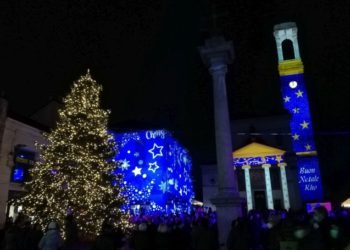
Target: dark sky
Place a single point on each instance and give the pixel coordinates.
(145, 55)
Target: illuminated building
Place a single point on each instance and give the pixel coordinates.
(156, 170)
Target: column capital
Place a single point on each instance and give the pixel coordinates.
(246, 167)
(282, 164)
(218, 69)
(217, 51)
(265, 165)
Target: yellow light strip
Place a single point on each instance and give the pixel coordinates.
(290, 67)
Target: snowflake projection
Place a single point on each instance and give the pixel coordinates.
(125, 164)
(160, 176)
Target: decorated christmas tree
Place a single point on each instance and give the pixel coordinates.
(73, 176)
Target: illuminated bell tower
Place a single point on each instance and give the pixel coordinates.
(291, 71)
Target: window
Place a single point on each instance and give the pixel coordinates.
(23, 160)
(288, 50)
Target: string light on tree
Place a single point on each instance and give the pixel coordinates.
(73, 175)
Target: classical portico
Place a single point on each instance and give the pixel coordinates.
(258, 156)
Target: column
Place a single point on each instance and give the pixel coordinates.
(248, 187)
(284, 185)
(216, 54)
(269, 197)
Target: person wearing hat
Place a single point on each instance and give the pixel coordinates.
(52, 239)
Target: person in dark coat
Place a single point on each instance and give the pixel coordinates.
(71, 231)
(35, 234)
(181, 237)
(204, 238)
(255, 229)
(142, 238)
(317, 234)
(105, 240)
(238, 236)
(52, 239)
(163, 238)
(14, 236)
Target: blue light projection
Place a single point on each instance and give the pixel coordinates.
(309, 178)
(18, 174)
(156, 170)
(257, 161)
(296, 102)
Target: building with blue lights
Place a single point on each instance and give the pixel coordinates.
(156, 170)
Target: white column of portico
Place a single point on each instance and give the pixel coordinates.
(269, 197)
(284, 185)
(248, 187)
(216, 54)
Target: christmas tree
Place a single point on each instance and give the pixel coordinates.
(73, 175)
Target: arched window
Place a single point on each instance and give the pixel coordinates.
(288, 50)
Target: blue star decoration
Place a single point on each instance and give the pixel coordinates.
(137, 171)
(304, 125)
(156, 151)
(153, 167)
(286, 99)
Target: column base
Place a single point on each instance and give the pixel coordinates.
(228, 207)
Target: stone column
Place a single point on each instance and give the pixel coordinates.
(248, 187)
(216, 54)
(269, 197)
(284, 185)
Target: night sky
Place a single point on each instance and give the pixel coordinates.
(145, 55)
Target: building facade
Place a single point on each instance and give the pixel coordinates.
(17, 154)
(264, 163)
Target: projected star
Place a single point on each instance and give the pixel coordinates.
(153, 167)
(163, 186)
(156, 151)
(296, 110)
(299, 93)
(137, 171)
(286, 99)
(304, 125)
(125, 164)
(295, 137)
(308, 147)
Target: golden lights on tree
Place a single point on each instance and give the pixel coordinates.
(73, 173)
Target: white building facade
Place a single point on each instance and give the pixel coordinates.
(17, 153)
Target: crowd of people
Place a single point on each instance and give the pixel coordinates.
(268, 230)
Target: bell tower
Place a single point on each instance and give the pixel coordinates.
(295, 100)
